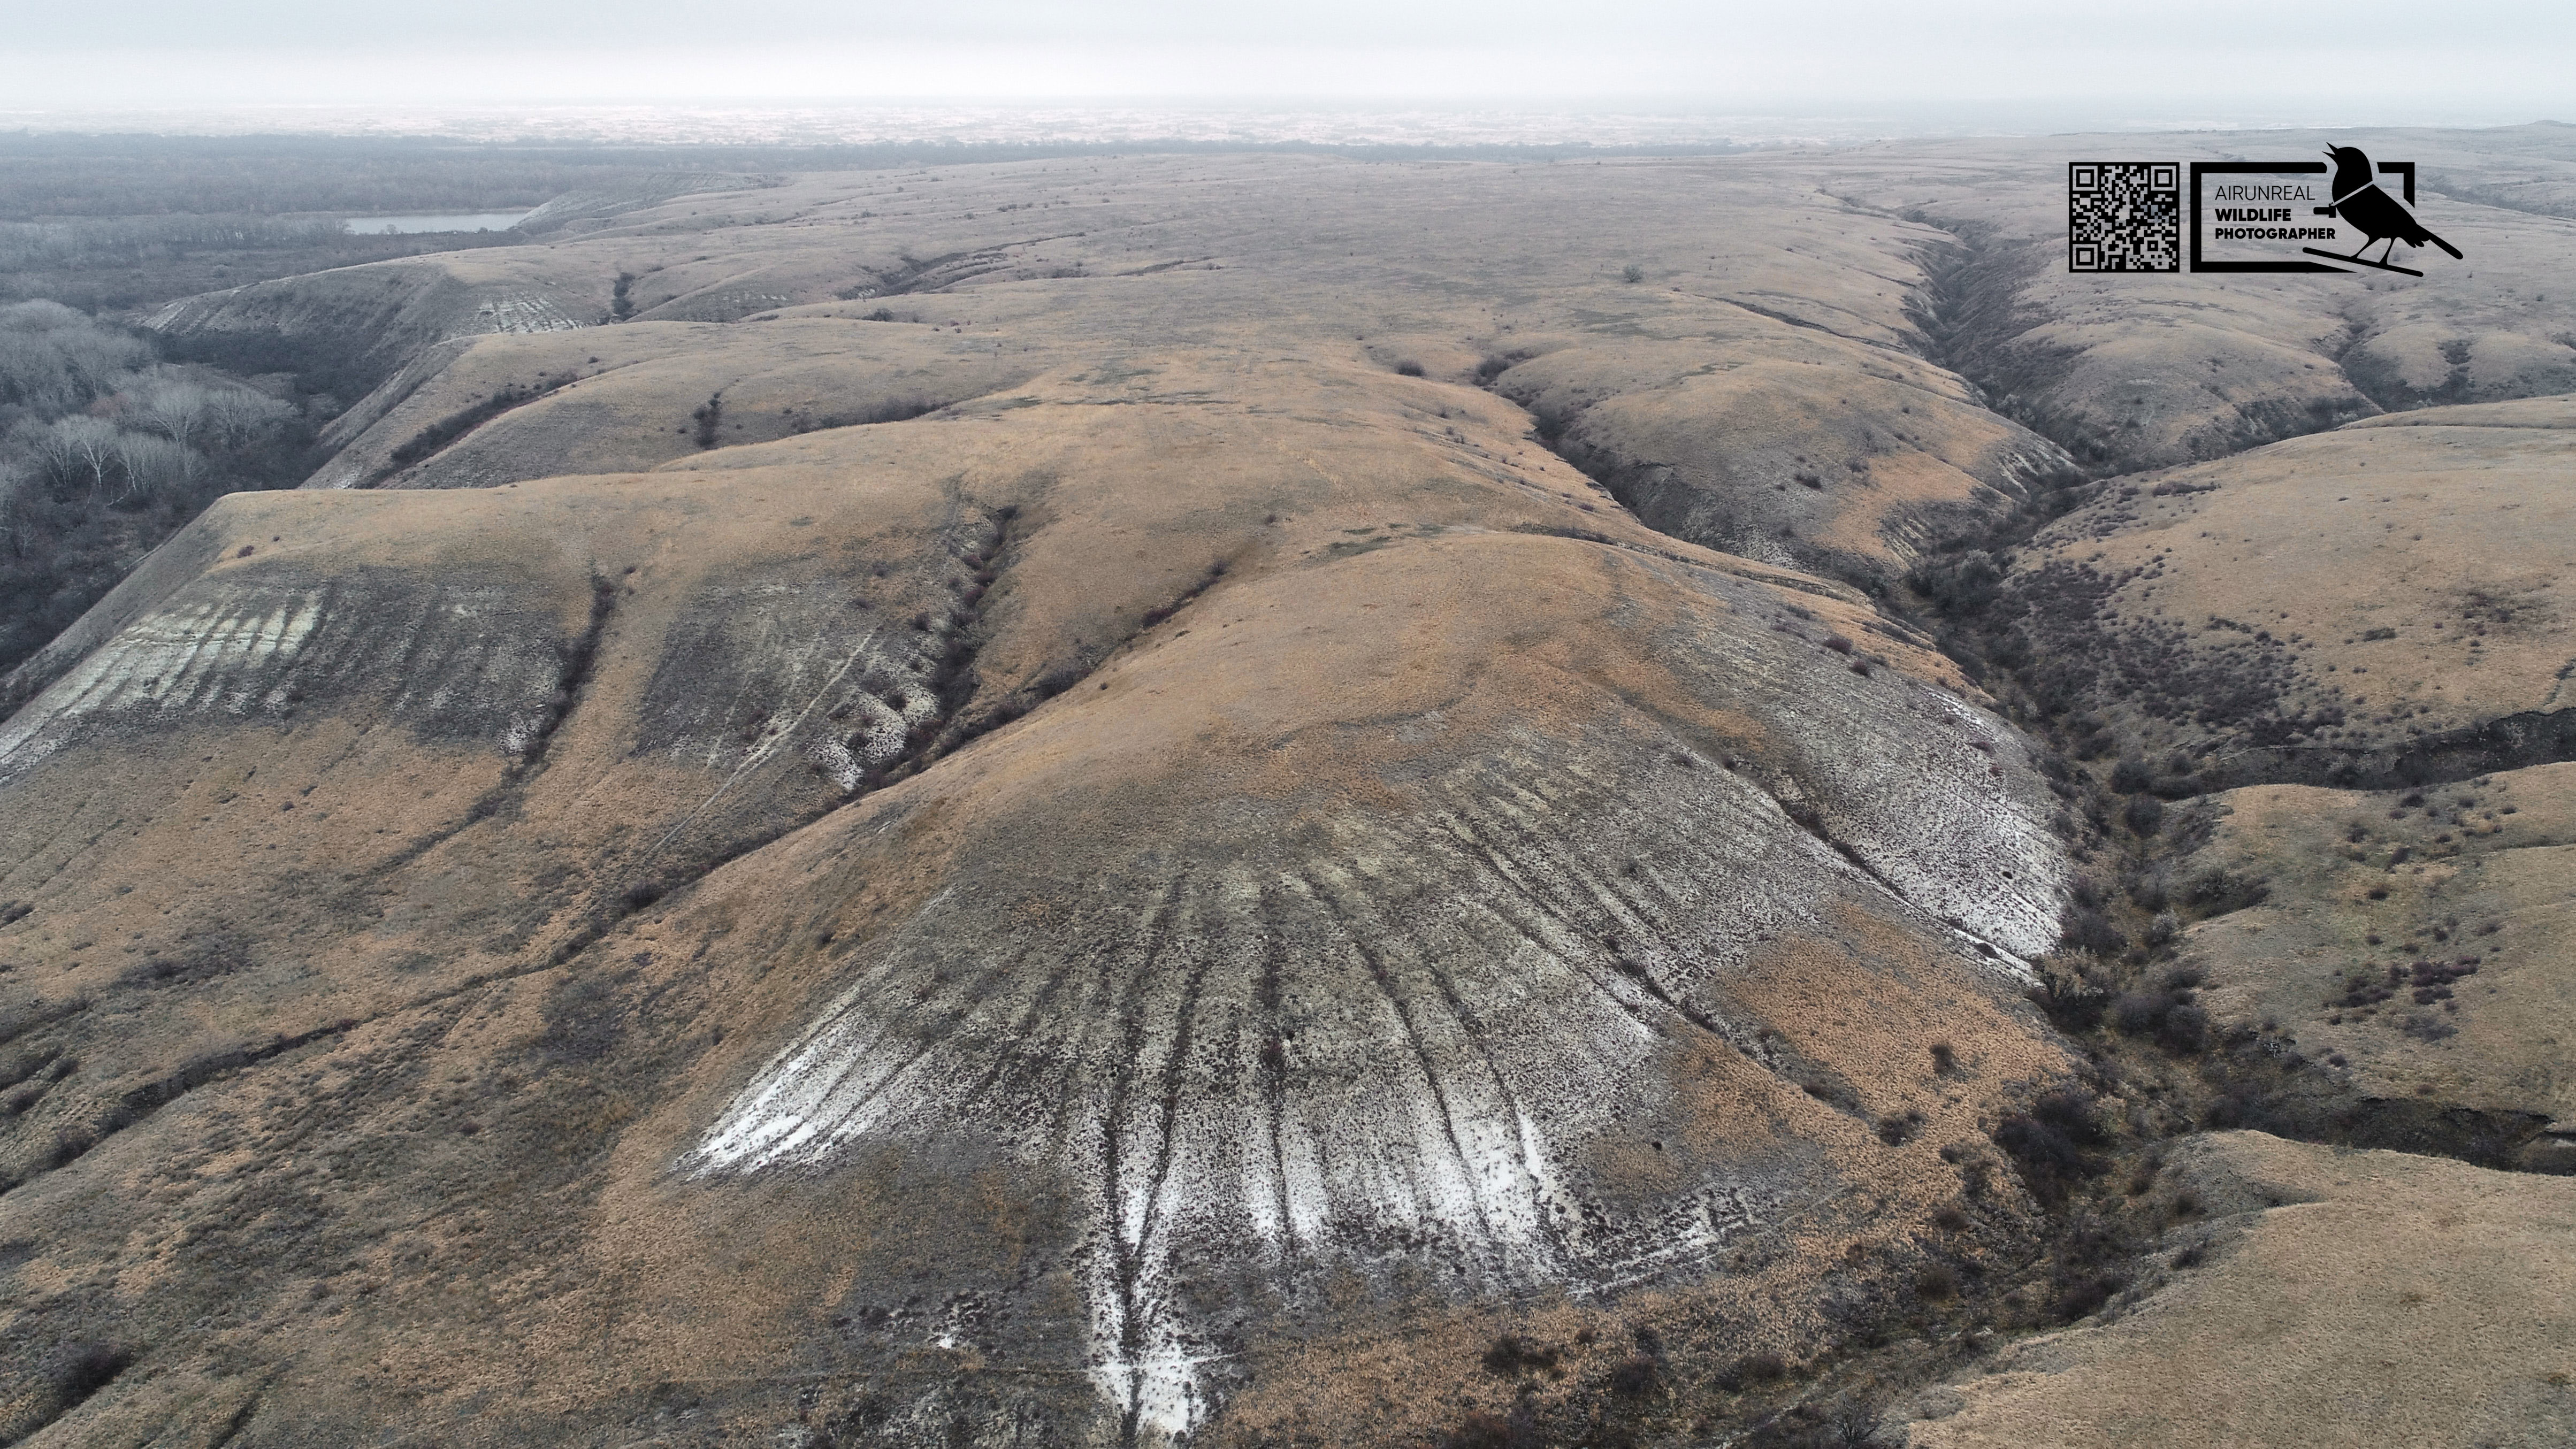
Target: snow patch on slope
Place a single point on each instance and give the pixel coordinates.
(1354, 1041)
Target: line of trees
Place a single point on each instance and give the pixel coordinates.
(105, 451)
(133, 241)
(56, 176)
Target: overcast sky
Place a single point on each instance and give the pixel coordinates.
(2358, 61)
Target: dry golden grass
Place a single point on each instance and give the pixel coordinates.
(2473, 873)
(1277, 877)
(2346, 1299)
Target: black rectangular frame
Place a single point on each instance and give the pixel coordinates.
(2405, 170)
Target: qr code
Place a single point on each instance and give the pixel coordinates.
(2123, 216)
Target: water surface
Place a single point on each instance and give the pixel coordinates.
(464, 221)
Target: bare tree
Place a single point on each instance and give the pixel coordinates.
(152, 466)
(236, 416)
(178, 408)
(55, 359)
(17, 500)
(79, 445)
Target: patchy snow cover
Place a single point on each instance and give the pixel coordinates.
(521, 312)
(451, 658)
(1370, 1037)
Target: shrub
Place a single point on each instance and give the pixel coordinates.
(2427, 1028)
(2144, 814)
(2131, 776)
(1937, 1281)
(1511, 1356)
(1964, 584)
(1945, 1058)
(2179, 785)
(2169, 1015)
(1752, 1368)
(1850, 1426)
(1635, 1377)
(2070, 1111)
(1632, 273)
(2184, 1030)
(2048, 1143)
(2083, 1294)
(2072, 1003)
(1949, 1219)
(2137, 1013)
(2087, 929)
(2216, 892)
(1056, 679)
(1408, 368)
(457, 424)
(708, 416)
(2241, 1105)
(883, 410)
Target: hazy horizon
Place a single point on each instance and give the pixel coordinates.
(1459, 127)
(1991, 64)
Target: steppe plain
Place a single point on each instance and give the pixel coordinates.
(1276, 800)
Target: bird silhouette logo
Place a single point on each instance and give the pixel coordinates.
(2360, 203)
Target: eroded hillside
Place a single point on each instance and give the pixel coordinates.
(1252, 800)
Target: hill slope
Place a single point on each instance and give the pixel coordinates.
(1044, 808)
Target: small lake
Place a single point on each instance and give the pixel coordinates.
(470, 221)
